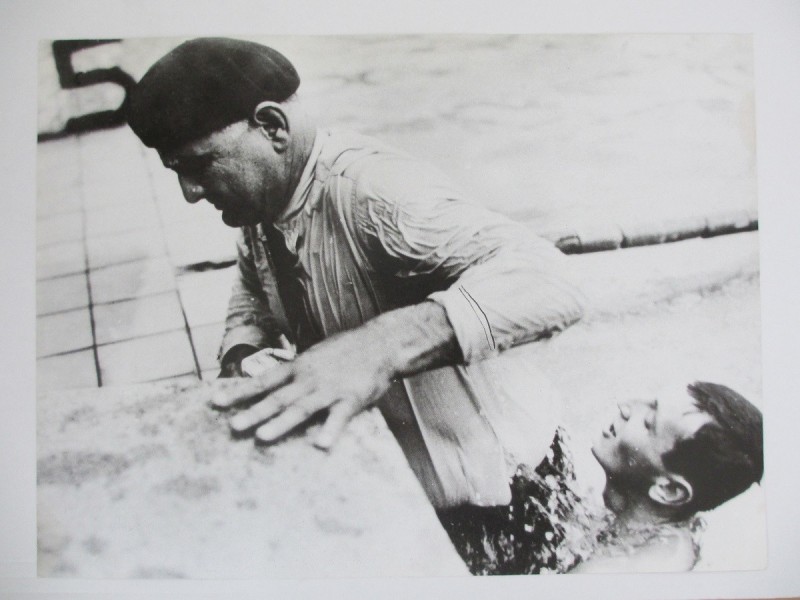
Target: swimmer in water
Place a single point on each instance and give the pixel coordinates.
(665, 459)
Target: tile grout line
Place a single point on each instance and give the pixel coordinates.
(126, 261)
(64, 352)
(160, 217)
(143, 336)
(107, 234)
(62, 311)
(78, 139)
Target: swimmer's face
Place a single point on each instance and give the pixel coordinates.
(631, 446)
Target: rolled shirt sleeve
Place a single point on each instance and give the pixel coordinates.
(520, 294)
(500, 284)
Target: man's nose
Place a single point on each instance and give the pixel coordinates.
(192, 191)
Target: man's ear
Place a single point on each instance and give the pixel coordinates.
(671, 490)
(274, 124)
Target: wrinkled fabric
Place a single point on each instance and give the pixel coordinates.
(375, 229)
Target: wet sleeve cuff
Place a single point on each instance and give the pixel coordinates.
(470, 324)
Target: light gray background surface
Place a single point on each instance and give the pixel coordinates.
(777, 42)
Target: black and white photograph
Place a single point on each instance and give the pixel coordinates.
(332, 309)
(532, 261)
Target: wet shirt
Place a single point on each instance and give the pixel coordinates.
(373, 229)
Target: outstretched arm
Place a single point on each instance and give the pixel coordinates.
(492, 284)
(345, 374)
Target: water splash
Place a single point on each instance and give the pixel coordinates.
(548, 527)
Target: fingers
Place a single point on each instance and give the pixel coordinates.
(293, 415)
(285, 397)
(270, 406)
(230, 392)
(283, 413)
(338, 418)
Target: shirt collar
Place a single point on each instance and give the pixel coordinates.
(299, 199)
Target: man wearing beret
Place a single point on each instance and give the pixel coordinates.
(397, 290)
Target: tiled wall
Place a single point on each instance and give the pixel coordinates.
(115, 303)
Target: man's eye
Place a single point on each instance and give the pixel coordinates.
(193, 167)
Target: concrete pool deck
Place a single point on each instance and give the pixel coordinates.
(145, 482)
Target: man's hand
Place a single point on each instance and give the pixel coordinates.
(344, 374)
(231, 364)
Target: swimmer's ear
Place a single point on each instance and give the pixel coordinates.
(273, 123)
(671, 490)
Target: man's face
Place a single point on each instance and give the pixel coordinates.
(236, 170)
(631, 447)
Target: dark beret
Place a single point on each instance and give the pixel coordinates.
(204, 85)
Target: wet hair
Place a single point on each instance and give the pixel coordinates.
(725, 456)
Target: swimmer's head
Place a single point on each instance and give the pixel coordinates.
(685, 451)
